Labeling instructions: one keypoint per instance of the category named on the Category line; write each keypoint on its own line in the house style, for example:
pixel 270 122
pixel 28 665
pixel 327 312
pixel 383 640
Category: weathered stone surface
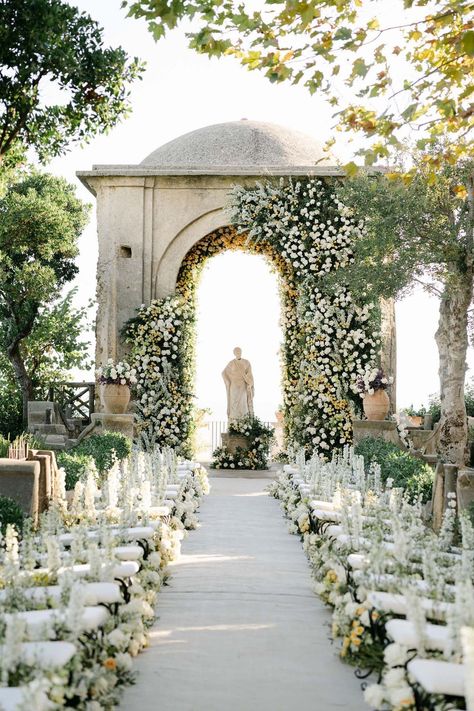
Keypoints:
pixel 238 144
pixel 383 428
pixel 231 442
pixel 37 412
pixel 20 481
pixel 465 488
pixel 113 423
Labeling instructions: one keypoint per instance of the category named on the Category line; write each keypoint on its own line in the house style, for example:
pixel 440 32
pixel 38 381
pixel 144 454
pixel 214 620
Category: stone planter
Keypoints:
pixel 115 398
pixel 376 406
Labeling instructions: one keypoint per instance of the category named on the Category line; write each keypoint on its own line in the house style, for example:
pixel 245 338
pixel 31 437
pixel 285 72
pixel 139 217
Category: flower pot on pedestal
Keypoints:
pixel 377 405
pixel 115 398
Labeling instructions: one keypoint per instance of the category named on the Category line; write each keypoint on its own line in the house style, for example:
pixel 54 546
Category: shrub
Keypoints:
pixel 105 449
pixel 75 466
pixel 4 444
pixel 11 410
pixel 413 474
pixel 10 512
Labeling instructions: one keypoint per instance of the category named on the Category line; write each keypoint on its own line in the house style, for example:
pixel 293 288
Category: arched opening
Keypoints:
pixel 238 304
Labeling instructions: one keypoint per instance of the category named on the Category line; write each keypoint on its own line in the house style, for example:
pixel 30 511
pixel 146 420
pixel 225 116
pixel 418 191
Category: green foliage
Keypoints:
pixel 58 82
pixel 4 444
pixel 406 471
pixel 75 465
pixel 10 513
pixel 55 345
pixel 11 415
pixel 417 72
pixel 105 449
pixel 255 456
pixel 415 411
pixel 410 232
pixel 41 220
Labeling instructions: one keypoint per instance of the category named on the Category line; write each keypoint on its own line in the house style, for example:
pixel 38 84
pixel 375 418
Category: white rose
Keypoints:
pixel 155 559
pixel 395 655
pixel 117 639
pixel 394 678
pixel 401 696
pixel 374 696
pixel 124 661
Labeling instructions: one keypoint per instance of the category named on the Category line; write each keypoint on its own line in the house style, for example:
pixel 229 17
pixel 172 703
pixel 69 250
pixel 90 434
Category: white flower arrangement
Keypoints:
pixel 120 373
pixel 329 336
pixel 102 663
pixel 397 554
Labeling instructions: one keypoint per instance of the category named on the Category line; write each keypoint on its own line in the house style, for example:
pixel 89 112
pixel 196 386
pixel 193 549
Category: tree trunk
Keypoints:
pixel 22 377
pixel 452 341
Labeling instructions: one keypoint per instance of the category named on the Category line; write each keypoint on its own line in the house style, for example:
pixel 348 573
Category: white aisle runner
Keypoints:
pixel 239 627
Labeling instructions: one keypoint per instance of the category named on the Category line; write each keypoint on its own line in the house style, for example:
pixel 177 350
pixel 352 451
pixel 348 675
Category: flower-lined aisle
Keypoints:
pixel 402 596
pixel 78 594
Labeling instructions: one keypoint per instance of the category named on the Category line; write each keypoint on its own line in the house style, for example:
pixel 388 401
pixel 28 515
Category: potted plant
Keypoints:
pixel 372 387
pixel 416 416
pixel 116 380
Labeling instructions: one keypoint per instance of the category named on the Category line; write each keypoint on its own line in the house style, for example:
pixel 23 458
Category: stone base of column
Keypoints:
pixel 232 442
pixel 108 422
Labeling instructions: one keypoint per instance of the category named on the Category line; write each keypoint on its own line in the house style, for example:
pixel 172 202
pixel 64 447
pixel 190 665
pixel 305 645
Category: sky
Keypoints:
pixel 182 91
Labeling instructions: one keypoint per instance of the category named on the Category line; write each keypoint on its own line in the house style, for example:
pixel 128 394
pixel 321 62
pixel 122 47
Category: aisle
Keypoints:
pixel 239 628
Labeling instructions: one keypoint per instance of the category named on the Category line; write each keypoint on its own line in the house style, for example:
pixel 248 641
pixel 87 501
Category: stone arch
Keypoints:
pixel 164 283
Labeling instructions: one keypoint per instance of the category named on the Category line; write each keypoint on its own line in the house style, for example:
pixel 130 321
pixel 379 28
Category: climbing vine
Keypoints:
pixel 329 336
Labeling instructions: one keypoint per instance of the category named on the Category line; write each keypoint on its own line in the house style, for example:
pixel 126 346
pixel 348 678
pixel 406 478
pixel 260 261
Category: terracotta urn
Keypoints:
pixel 416 420
pixel 376 406
pixel 115 398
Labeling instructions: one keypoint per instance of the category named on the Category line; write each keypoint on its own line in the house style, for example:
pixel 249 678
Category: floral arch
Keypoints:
pixel 329 335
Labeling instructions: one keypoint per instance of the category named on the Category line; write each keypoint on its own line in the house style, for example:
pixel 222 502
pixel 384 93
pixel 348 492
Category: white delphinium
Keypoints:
pixel 375 477
pixel 356 524
pixel 95 560
pixel 28 549
pixel 145 493
pixel 112 486
pixel 446 533
pixel 467 638
pixel 35 696
pixel 53 551
pixel 78 498
pixel 79 543
pixel 90 492
pixel 11 564
pixel 75 610
pixel 15 629
pixel 431 571
pixel 416 615
pixel 358 469
pixel 460 614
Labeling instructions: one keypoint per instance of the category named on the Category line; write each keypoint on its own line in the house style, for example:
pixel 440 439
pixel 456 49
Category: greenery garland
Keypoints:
pixel 329 336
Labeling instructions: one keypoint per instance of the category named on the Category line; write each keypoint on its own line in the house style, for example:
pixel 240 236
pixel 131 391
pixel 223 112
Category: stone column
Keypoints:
pixel 388 347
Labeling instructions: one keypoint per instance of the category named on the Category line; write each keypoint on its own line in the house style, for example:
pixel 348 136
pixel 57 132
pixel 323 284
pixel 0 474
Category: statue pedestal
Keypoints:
pixel 386 429
pixel 103 421
pixel 231 442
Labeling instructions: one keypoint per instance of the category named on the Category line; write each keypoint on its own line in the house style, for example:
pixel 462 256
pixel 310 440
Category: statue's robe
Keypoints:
pixel 239 384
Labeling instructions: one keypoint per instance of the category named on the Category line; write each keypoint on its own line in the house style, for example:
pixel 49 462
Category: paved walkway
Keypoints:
pixel 239 627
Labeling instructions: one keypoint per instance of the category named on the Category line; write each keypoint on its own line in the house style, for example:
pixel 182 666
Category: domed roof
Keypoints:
pixel 240 144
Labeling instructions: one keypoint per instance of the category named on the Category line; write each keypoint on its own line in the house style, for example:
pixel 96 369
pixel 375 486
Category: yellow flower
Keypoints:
pixel 110 664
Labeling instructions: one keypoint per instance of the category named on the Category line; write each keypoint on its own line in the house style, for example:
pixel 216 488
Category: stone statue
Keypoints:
pixel 238 380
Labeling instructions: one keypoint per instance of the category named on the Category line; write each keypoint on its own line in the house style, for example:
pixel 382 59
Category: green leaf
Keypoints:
pixel 468 42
